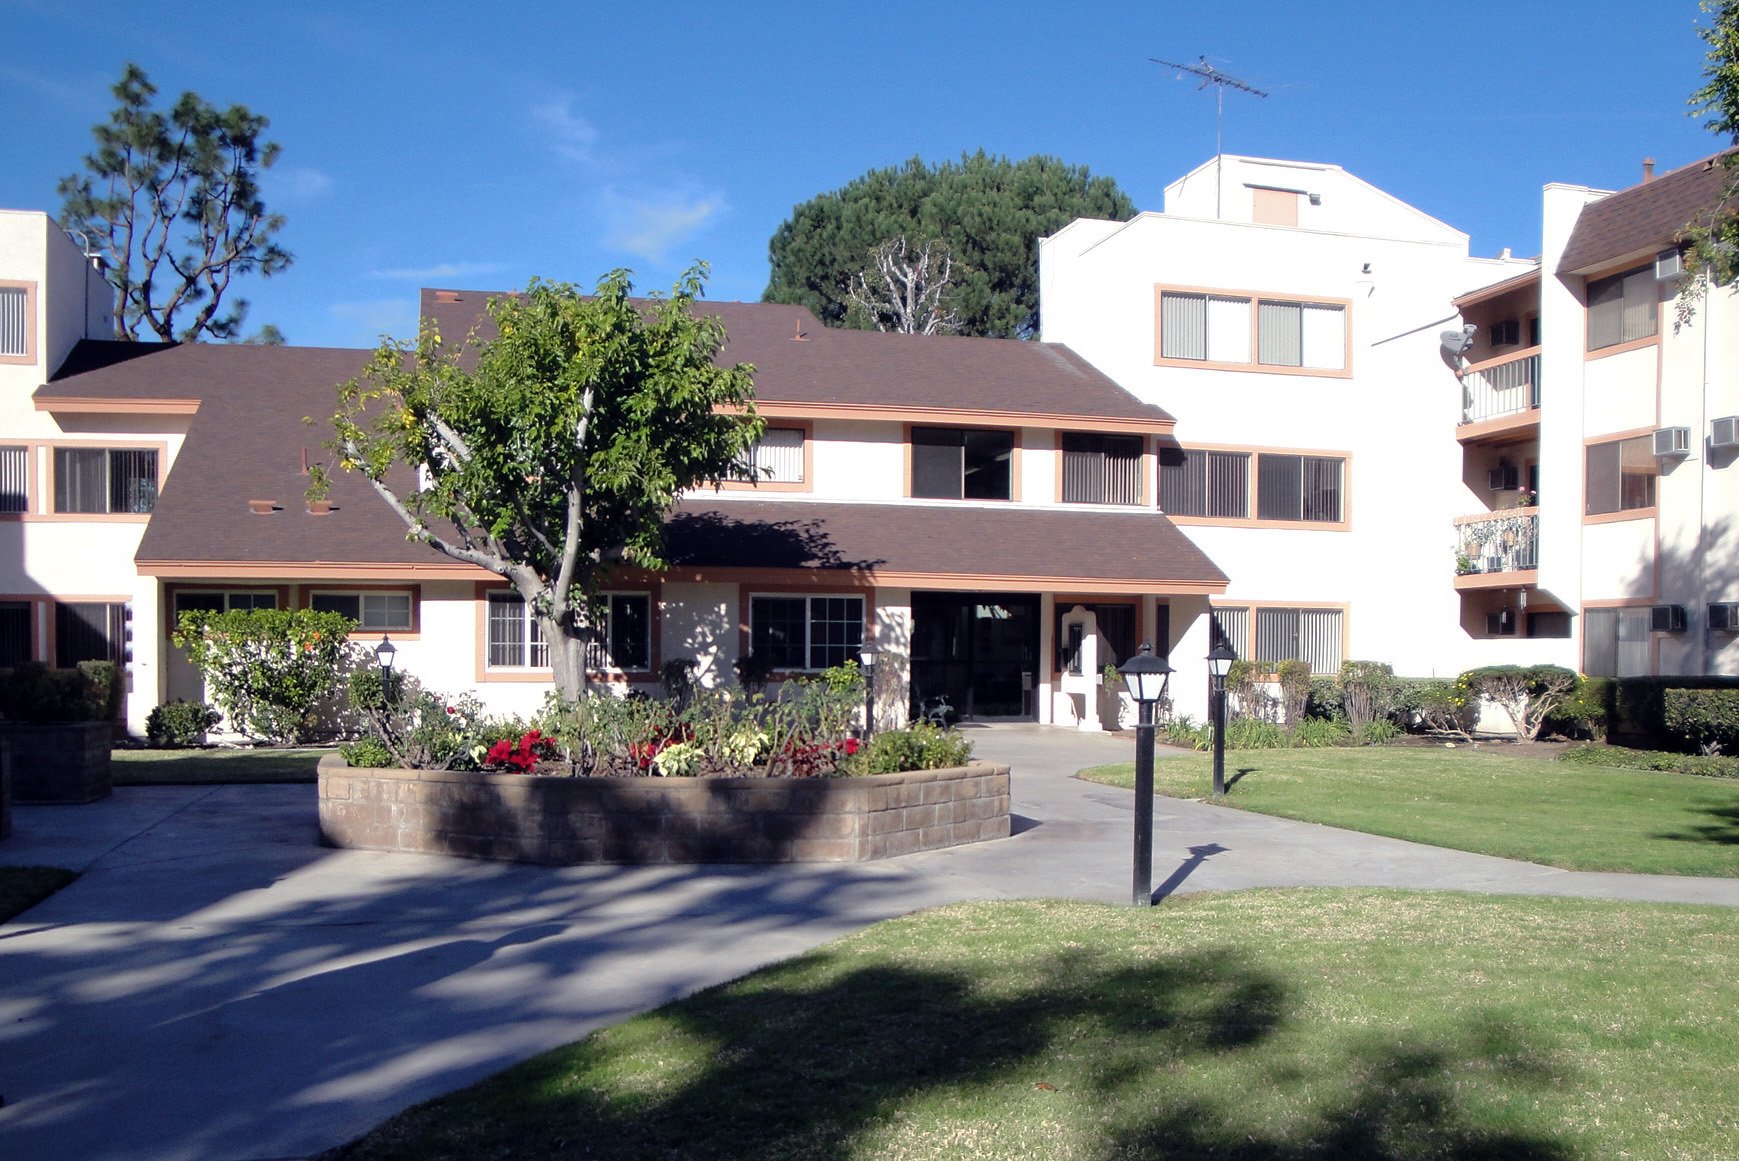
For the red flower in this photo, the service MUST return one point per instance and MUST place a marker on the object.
(850, 746)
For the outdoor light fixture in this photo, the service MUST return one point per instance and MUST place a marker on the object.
(1145, 676)
(385, 653)
(866, 657)
(1220, 659)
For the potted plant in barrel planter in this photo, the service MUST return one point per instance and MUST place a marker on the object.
(56, 726)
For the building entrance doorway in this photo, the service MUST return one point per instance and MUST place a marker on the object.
(977, 651)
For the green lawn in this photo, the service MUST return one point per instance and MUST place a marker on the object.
(1579, 817)
(22, 888)
(204, 767)
(1251, 1026)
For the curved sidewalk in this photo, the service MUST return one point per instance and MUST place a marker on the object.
(216, 987)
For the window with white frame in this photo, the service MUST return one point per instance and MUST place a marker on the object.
(1623, 308)
(795, 632)
(105, 480)
(14, 479)
(15, 322)
(1615, 642)
(222, 601)
(777, 457)
(388, 611)
(1230, 328)
(515, 636)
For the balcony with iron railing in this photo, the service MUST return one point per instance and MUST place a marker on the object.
(1500, 394)
(1495, 543)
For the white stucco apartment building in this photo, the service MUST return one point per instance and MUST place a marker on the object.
(1376, 485)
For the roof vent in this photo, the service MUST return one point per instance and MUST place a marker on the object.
(1647, 170)
(264, 507)
(319, 507)
(446, 296)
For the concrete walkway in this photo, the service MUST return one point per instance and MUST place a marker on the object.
(216, 987)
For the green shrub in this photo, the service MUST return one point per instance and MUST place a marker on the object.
(180, 723)
(1380, 731)
(1528, 695)
(1294, 684)
(34, 694)
(1636, 708)
(417, 728)
(1582, 713)
(1182, 730)
(1250, 734)
(367, 752)
(1314, 733)
(917, 747)
(1708, 766)
(269, 669)
(1324, 701)
(1703, 719)
(1368, 694)
(753, 673)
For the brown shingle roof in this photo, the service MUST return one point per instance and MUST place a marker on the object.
(799, 362)
(1644, 218)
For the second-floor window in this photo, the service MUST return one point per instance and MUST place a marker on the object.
(1101, 469)
(1621, 475)
(951, 463)
(89, 631)
(1228, 329)
(1622, 308)
(14, 479)
(777, 457)
(1286, 486)
(105, 480)
(15, 322)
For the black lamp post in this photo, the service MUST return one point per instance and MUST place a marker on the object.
(384, 655)
(1220, 659)
(866, 657)
(1145, 676)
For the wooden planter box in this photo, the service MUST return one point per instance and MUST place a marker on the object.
(62, 763)
(557, 820)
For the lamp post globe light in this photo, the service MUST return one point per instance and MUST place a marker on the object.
(1220, 660)
(866, 657)
(384, 655)
(1145, 676)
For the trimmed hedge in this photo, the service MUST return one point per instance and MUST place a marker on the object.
(34, 694)
(1707, 719)
(1619, 757)
(1636, 713)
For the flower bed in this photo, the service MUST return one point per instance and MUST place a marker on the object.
(558, 820)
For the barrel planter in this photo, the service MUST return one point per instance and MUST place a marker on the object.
(559, 820)
(66, 762)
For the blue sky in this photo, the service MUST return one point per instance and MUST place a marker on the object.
(477, 145)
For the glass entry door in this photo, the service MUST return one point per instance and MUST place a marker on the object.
(979, 651)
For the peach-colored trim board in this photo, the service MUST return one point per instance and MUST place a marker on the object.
(1345, 371)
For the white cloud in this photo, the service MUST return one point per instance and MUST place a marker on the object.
(570, 134)
(650, 227)
(300, 183)
(440, 272)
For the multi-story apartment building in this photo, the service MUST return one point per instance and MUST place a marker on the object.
(1403, 453)
(975, 508)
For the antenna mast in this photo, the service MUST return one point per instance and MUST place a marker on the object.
(1221, 82)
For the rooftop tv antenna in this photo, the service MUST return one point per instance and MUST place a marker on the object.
(1221, 81)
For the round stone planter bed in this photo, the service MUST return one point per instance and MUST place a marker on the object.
(562, 820)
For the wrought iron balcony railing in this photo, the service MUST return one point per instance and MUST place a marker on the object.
(1507, 541)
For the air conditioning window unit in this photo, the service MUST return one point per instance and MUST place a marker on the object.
(1669, 264)
(1672, 441)
(1724, 432)
(1724, 617)
(1667, 619)
(1504, 478)
(1500, 624)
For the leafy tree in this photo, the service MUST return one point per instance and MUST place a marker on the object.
(173, 201)
(1713, 238)
(990, 213)
(552, 453)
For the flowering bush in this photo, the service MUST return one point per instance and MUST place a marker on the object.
(421, 729)
(523, 755)
(268, 669)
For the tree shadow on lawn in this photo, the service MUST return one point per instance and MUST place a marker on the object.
(1723, 831)
(887, 1057)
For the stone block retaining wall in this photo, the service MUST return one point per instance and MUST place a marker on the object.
(660, 820)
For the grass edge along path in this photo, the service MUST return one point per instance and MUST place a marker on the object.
(209, 767)
(1560, 814)
(22, 888)
(1285, 1024)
